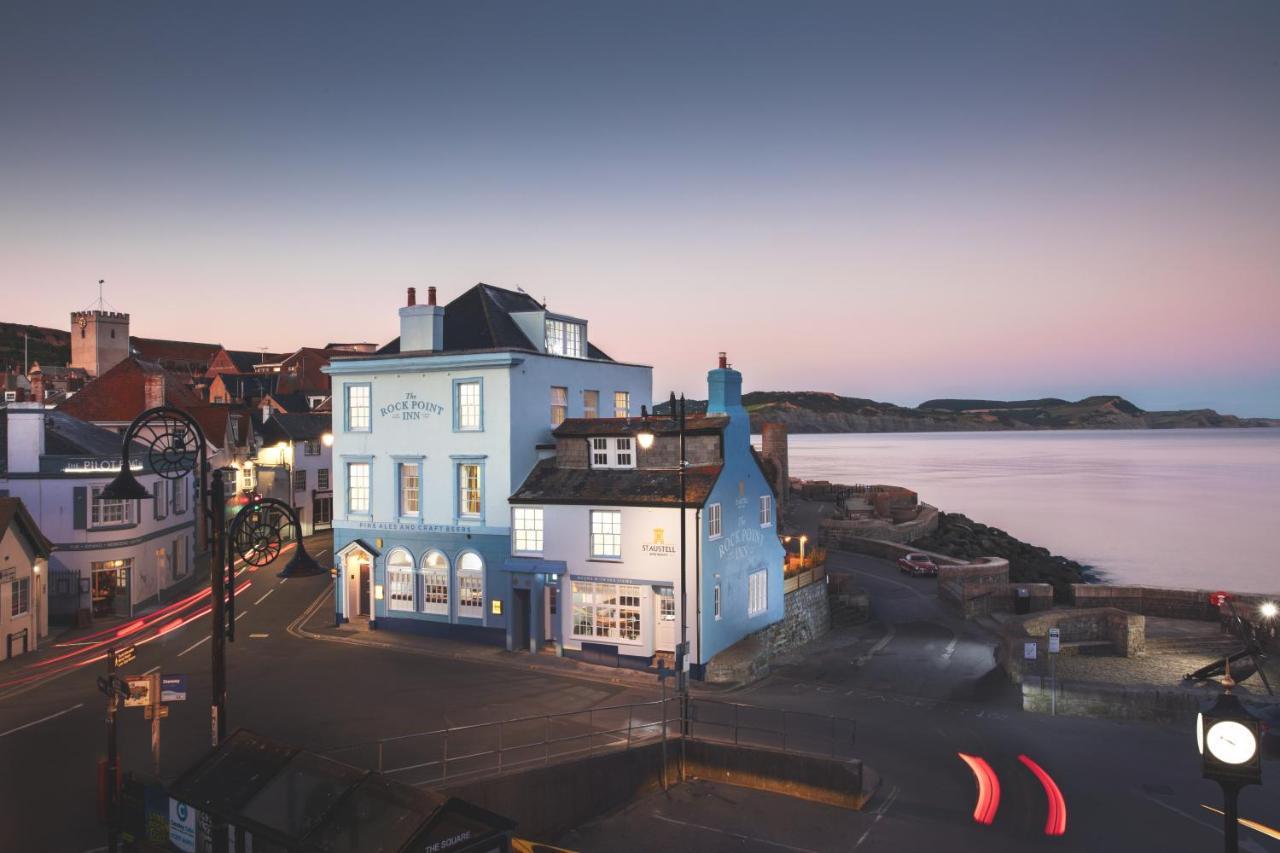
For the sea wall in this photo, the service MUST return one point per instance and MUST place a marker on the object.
(837, 532)
(1159, 601)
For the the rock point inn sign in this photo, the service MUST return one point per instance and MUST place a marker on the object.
(411, 409)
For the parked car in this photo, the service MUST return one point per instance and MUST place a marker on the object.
(918, 565)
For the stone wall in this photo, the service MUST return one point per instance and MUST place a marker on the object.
(1126, 632)
(807, 616)
(838, 532)
(1157, 601)
(1177, 705)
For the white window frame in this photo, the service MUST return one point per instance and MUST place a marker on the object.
(526, 529)
(409, 497)
(435, 582)
(465, 490)
(612, 452)
(757, 592)
(715, 521)
(622, 404)
(401, 578)
(468, 402)
(359, 407)
(322, 479)
(601, 606)
(717, 600)
(559, 405)
(590, 404)
(605, 534)
(299, 479)
(470, 586)
(358, 488)
(766, 510)
(565, 337)
(98, 509)
(19, 593)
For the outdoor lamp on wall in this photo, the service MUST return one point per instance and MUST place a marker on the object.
(645, 439)
(327, 439)
(377, 591)
(1228, 738)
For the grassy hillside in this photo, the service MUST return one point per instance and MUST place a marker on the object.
(47, 346)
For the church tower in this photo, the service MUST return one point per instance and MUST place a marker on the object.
(99, 340)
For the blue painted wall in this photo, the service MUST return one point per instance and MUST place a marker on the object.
(745, 545)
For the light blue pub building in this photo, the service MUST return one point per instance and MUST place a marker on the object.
(432, 435)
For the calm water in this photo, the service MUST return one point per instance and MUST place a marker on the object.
(1197, 508)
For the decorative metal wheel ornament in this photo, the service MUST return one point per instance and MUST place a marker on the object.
(260, 537)
(172, 446)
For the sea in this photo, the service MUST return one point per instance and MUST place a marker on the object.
(1184, 508)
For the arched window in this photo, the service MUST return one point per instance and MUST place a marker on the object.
(435, 583)
(399, 580)
(470, 585)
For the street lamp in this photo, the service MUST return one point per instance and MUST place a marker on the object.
(1228, 737)
(327, 439)
(1269, 610)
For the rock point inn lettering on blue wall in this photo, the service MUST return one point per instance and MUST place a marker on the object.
(411, 409)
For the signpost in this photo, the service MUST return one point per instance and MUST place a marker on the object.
(1029, 651)
(173, 688)
(1055, 643)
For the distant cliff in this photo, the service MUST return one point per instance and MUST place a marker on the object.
(47, 346)
(817, 411)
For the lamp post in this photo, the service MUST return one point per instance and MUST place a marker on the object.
(645, 438)
(1228, 738)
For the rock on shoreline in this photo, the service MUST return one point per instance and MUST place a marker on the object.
(961, 537)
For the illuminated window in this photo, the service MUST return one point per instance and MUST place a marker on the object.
(622, 404)
(526, 529)
(606, 534)
(591, 404)
(470, 585)
(606, 611)
(357, 487)
(358, 408)
(566, 338)
(469, 497)
(400, 580)
(410, 491)
(559, 405)
(435, 583)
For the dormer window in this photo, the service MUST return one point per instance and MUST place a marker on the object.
(566, 338)
(612, 453)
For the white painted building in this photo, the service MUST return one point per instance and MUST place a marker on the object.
(294, 463)
(434, 433)
(110, 557)
(24, 572)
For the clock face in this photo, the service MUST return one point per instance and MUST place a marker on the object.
(83, 321)
(1230, 742)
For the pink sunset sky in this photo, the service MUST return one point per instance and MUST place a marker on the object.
(898, 205)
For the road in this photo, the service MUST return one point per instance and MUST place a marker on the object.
(919, 682)
(307, 692)
(922, 687)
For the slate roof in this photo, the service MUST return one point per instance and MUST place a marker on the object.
(295, 427)
(65, 435)
(295, 403)
(13, 510)
(548, 483)
(480, 320)
(243, 386)
(631, 426)
(119, 394)
(175, 352)
(245, 361)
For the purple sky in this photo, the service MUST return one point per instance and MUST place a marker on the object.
(897, 200)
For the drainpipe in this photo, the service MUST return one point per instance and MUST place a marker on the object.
(697, 581)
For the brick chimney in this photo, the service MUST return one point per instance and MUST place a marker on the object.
(413, 297)
(153, 390)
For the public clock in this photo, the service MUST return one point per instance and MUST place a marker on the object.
(1230, 742)
(82, 320)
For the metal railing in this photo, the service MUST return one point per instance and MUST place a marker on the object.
(463, 753)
